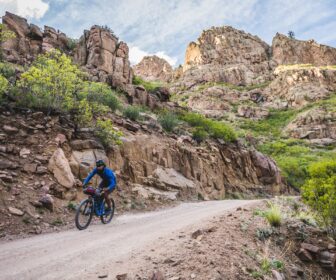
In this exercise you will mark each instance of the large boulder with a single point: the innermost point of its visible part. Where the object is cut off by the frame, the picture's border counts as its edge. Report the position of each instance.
(83, 161)
(59, 166)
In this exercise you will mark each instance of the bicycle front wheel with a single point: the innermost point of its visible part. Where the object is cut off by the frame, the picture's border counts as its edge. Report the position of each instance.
(105, 219)
(84, 214)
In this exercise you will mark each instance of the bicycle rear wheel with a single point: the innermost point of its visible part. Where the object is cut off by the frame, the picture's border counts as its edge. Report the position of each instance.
(105, 219)
(84, 214)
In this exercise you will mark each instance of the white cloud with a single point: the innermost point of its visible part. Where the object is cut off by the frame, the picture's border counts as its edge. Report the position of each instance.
(136, 54)
(25, 8)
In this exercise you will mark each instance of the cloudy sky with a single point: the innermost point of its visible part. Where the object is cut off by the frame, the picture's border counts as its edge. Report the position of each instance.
(165, 27)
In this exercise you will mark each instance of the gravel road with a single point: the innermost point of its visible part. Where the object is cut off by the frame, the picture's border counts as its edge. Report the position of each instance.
(77, 254)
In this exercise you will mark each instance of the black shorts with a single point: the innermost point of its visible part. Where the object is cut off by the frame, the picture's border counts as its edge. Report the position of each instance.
(105, 186)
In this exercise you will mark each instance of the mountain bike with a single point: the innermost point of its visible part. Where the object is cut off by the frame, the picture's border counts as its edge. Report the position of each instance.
(94, 204)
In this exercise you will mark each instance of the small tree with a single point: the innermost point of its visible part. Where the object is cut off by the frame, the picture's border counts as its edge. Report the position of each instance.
(319, 192)
(291, 34)
(5, 34)
(51, 82)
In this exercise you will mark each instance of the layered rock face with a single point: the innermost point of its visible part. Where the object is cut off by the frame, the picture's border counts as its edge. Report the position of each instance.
(225, 54)
(290, 51)
(154, 68)
(213, 172)
(106, 59)
(30, 41)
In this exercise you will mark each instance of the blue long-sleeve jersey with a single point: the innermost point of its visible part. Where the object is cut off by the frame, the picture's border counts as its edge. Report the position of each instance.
(107, 176)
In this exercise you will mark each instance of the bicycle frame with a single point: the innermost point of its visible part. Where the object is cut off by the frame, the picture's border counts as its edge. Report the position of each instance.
(97, 205)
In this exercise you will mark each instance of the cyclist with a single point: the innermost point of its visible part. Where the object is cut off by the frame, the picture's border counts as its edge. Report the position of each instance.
(108, 182)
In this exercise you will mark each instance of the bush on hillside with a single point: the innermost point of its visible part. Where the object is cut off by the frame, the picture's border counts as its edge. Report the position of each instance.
(199, 134)
(100, 94)
(5, 34)
(319, 192)
(168, 121)
(294, 158)
(149, 86)
(215, 129)
(132, 112)
(7, 70)
(107, 134)
(3, 86)
(51, 83)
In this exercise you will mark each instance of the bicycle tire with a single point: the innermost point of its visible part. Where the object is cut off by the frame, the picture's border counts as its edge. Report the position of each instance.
(84, 204)
(105, 219)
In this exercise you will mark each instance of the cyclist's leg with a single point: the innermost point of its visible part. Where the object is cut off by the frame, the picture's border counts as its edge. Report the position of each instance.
(109, 190)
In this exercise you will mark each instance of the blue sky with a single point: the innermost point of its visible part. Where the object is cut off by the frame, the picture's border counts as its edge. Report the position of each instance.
(165, 27)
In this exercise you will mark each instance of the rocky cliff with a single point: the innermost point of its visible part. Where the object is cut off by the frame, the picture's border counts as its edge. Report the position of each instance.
(30, 40)
(98, 52)
(225, 54)
(106, 59)
(291, 51)
(154, 68)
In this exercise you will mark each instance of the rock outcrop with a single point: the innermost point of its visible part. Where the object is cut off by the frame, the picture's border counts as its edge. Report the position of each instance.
(225, 54)
(317, 125)
(30, 40)
(215, 171)
(298, 86)
(291, 51)
(106, 59)
(154, 68)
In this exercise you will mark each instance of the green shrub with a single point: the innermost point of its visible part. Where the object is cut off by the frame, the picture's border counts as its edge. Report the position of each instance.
(168, 121)
(319, 192)
(100, 94)
(51, 83)
(7, 70)
(5, 34)
(3, 86)
(215, 129)
(272, 125)
(199, 134)
(132, 112)
(273, 216)
(294, 157)
(222, 131)
(107, 134)
(149, 86)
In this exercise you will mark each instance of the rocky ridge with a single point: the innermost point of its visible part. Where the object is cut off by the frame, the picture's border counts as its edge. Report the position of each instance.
(30, 40)
(286, 50)
(154, 68)
(98, 52)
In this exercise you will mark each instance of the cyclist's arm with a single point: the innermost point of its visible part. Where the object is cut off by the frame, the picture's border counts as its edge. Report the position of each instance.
(89, 177)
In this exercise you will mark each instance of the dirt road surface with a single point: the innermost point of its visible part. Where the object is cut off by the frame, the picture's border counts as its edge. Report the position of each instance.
(86, 254)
